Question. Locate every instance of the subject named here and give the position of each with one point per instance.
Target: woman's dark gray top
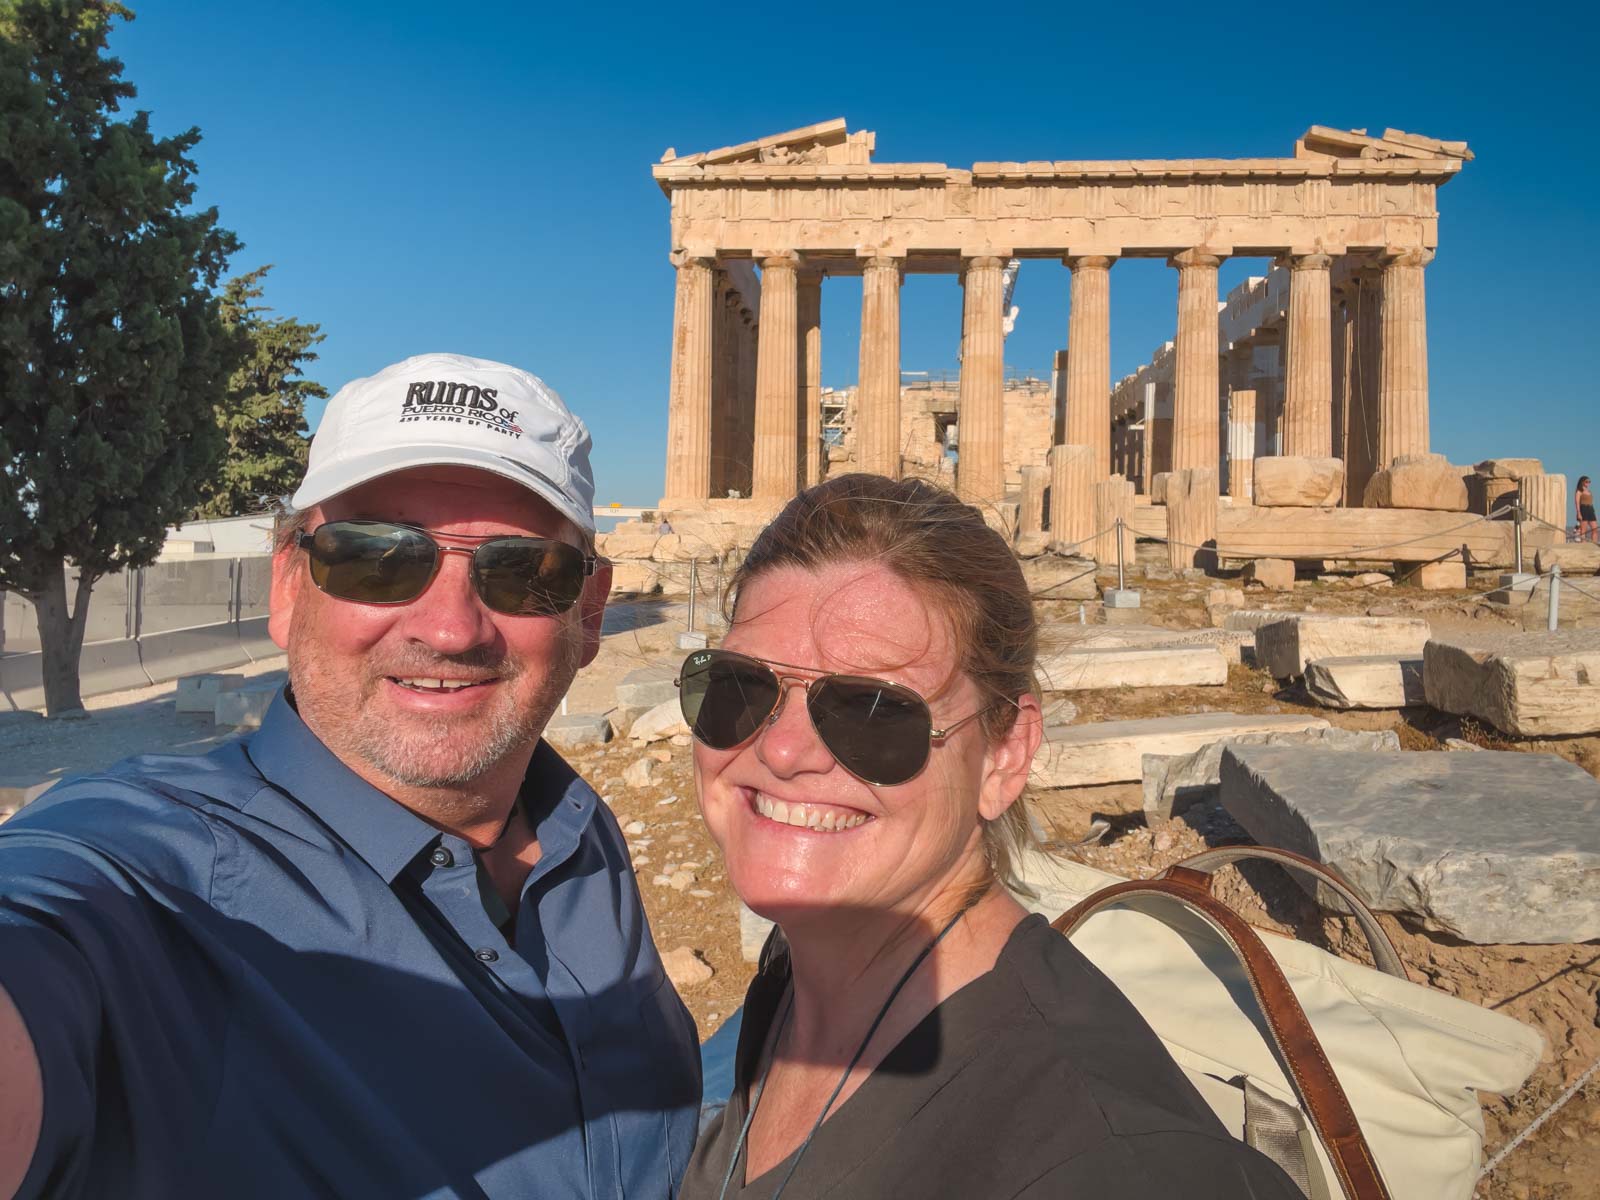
(1036, 1080)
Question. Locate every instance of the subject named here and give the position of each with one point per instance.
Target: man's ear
(1006, 766)
(288, 577)
(592, 609)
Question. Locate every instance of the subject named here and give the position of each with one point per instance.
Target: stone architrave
(689, 405)
(1071, 498)
(809, 314)
(1088, 392)
(1196, 379)
(980, 466)
(1492, 847)
(1242, 444)
(1418, 481)
(1537, 684)
(777, 354)
(1298, 482)
(1284, 646)
(1113, 501)
(1308, 367)
(1403, 362)
(1192, 518)
(878, 393)
(1035, 483)
(1545, 498)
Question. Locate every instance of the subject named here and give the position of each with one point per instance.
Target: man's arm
(21, 1098)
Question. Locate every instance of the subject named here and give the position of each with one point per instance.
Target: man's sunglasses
(381, 562)
(882, 733)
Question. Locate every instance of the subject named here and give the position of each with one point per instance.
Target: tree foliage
(263, 415)
(112, 352)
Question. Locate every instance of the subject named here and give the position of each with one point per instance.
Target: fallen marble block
(1082, 670)
(574, 731)
(1284, 646)
(642, 689)
(246, 706)
(1366, 681)
(1492, 847)
(1574, 558)
(661, 722)
(1248, 620)
(1174, 782)
(1533, 684)
(198, 693)
(1113, 751)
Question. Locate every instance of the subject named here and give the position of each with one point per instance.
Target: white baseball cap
(450, 410)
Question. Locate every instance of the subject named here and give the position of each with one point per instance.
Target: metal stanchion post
(1516, 520)
(1555, 597)
(1122, 581)
(694, 586)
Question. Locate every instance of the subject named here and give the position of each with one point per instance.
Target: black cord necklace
(761, 1086)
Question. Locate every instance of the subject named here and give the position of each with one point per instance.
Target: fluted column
(1403, 358)
(1361, 415)
(724, 385)
(878, 397)
(1194, 401)
(1242, 443)
(776, 355)
(1088, 420)
(980, 469)
(1308, 367)
(689, 395)
(808, 307)
(1031, 516)
(1071, 499)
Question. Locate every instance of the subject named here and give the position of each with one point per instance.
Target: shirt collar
(385, 833)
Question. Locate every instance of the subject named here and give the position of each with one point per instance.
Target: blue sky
(475, 178)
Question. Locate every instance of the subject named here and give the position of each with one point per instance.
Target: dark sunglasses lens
(370, 562)
(878, 733)
(529, 577)
(725, 698)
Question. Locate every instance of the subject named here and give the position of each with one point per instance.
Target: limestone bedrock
(1534, 684)
(1494, 847)
(1284, 646)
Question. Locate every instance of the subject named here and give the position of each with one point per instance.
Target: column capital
(780, 260)
(1416, 257)
(985, 262)
(1306, 262)
(683, 258)
(883, 262)
(1092, 262)
(1199, 256)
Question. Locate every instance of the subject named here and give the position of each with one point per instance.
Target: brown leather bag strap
(1384, 955)
(1295, 1042)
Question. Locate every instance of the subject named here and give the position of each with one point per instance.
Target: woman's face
(899, 847)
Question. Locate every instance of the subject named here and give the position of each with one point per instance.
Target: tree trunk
(61, 639)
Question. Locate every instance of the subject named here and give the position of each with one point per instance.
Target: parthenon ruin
(1326, 357)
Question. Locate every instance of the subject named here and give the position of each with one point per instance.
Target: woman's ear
(1009, 760)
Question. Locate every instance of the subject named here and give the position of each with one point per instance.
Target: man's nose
(788, 744)
(449, 617)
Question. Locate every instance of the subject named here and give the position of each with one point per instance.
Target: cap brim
(320, 486)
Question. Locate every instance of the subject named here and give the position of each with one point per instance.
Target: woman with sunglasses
(864, 736)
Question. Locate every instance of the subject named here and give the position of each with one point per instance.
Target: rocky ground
(694, 915)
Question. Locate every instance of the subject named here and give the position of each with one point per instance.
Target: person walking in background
(1588, 531)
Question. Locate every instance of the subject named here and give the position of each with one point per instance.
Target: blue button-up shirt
(254, 975)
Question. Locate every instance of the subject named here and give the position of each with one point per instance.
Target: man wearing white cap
(391, 945)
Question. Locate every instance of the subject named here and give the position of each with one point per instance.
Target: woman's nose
(789, 744)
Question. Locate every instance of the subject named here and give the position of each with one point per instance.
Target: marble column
(1112, 500)
(1194, 401)
(724, 386)
(1308, 369)
(1192, 519)
(1088, 418)
(1403, 358)
(1242, 443)
(1339, 349)
(742, 468)
(689, 397)
(1361, 417)
(980, 467)
(1267, 379)
(1031, 516)
(776, 391)
(1058, 395)
(878, 396)
(1071, 499)
(808, 307)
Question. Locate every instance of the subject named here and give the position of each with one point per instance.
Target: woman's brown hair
(942, 547)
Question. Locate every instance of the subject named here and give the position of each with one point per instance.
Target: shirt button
(442, 858)
(488, 954)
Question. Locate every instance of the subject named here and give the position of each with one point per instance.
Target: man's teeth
(437, 685)
(806, 816)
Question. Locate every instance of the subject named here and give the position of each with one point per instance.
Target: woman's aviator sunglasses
(382, 562)
(882, 733)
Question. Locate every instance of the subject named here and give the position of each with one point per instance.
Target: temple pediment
(827, 143)
(1323, 141)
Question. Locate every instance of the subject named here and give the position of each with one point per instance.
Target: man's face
(359, 671)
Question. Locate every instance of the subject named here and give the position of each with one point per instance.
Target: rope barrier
(1343, 554)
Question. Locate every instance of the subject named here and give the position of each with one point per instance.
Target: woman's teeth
(808, 816)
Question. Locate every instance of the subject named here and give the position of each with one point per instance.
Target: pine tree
(113, 356)
(263, 416)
